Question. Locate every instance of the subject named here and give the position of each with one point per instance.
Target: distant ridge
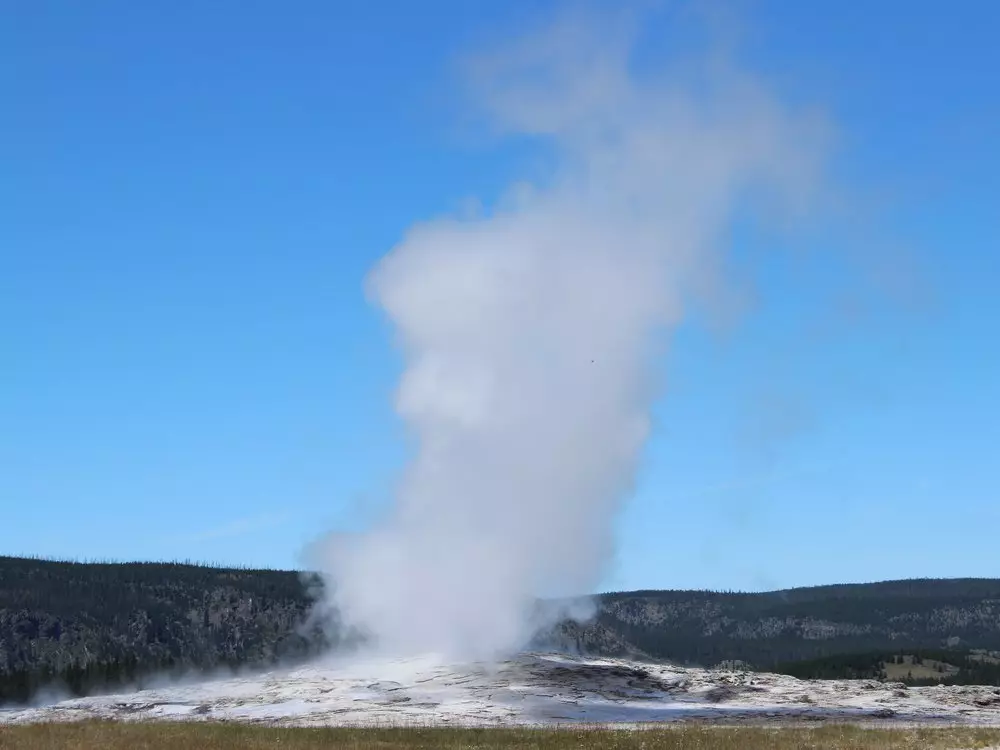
(823, 588)
(93, 624)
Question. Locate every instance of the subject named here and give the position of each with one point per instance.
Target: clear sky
(191, 195)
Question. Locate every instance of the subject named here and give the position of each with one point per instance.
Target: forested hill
(87, 624)
(95, 626)
(765, 629)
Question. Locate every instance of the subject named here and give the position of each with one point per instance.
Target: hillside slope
(95, 626)
(768, 628)
(83, 624)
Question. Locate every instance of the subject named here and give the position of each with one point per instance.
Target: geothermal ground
(533, 689)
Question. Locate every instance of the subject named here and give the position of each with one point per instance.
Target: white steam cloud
(529, 334)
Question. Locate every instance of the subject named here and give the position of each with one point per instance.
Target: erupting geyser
(529, 332)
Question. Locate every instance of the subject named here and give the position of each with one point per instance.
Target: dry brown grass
(223, 736)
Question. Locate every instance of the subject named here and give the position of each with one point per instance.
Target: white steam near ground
(531, 333)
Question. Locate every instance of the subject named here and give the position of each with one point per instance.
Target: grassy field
(209, 736)
(927, 669)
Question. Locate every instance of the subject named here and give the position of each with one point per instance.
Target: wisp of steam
(530, 332)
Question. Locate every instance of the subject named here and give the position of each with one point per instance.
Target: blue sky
(193, 193)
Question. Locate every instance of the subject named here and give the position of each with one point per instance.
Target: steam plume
(529, 333)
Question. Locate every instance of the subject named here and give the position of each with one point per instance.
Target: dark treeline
(90, 627)
(766, 629)
(108, 675)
